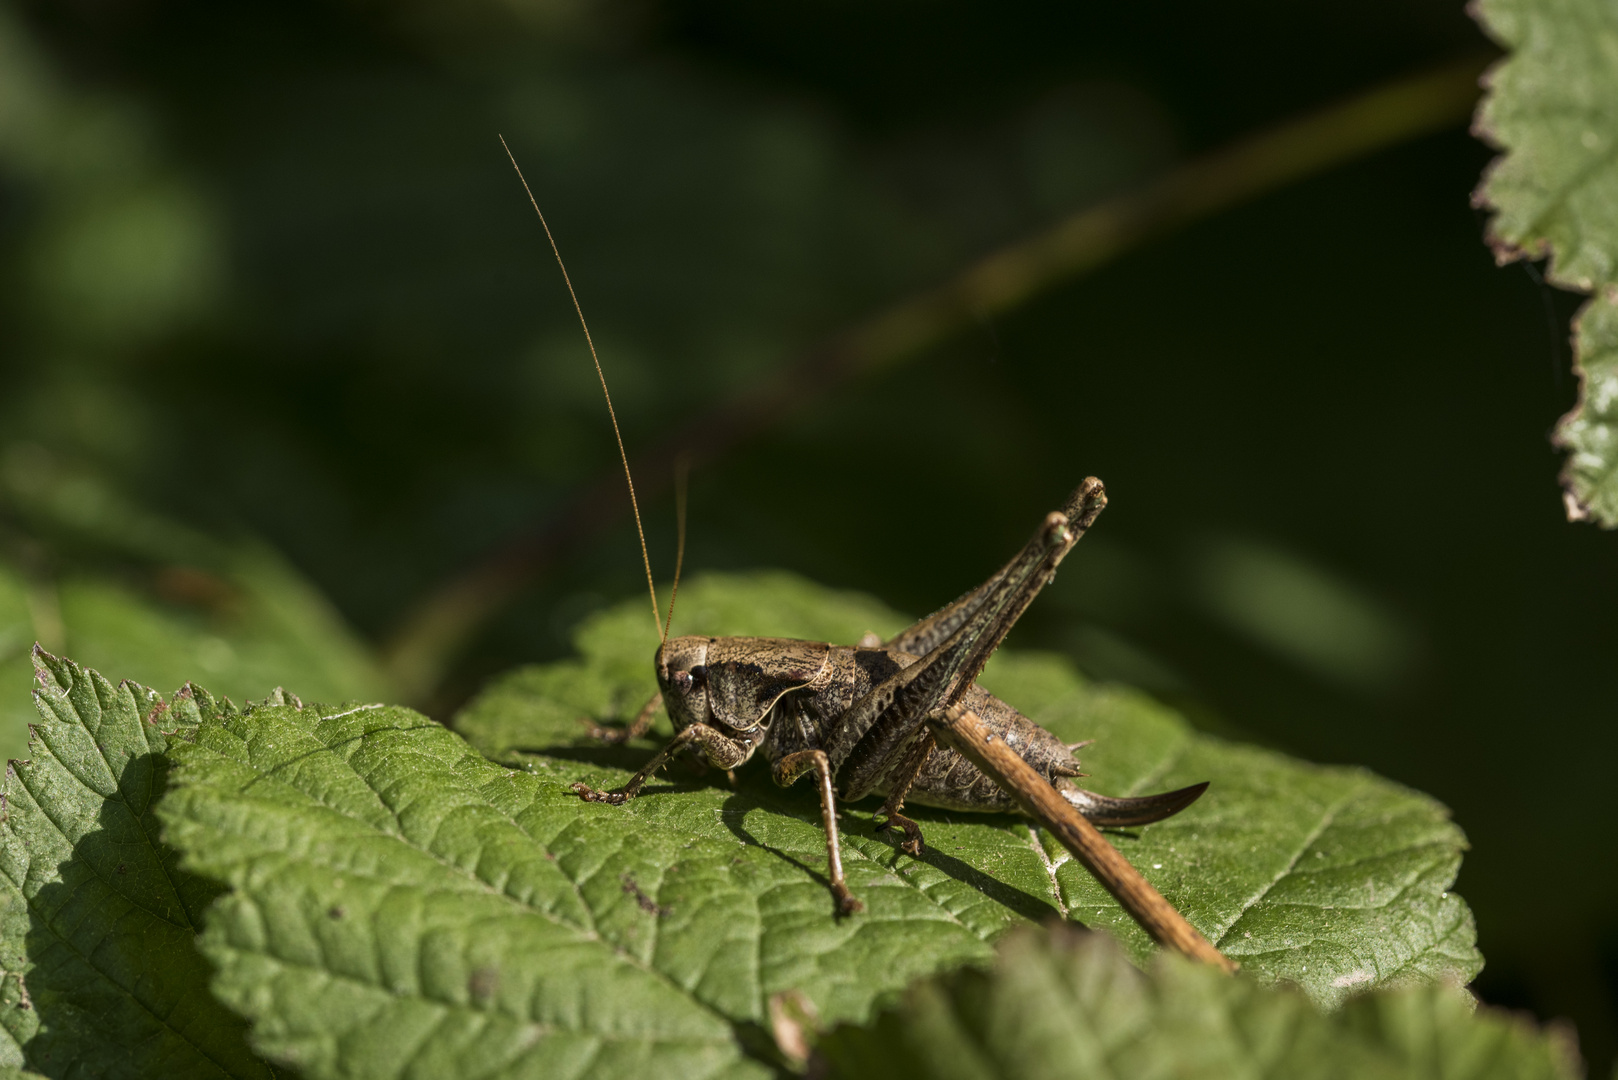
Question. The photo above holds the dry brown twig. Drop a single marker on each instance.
(963, 731)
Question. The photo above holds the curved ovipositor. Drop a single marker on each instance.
(1109, 812)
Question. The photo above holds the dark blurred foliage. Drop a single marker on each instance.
(273, 299)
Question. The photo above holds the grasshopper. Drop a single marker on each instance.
(865, 719)
(860, 717)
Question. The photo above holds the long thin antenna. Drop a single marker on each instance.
(645, 559)
(682, 476)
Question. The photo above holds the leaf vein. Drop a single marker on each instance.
(45, 812)
(1314, 834)
(588, 933)
(447, 1005)
(1161, 769)
(118, 789)
(129, 992)
(1050, 869)
(1558, 201)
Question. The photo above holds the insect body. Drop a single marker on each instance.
(857, 716)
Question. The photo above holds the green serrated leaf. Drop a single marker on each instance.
(1590, 432)
(1553, 107)
(99, 974)
(1328, 877)
(1068, 1004)
(400, 906)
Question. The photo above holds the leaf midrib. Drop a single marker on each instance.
(140, 819)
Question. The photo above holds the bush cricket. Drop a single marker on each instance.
(902, 718)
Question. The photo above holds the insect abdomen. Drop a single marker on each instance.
(951, 782)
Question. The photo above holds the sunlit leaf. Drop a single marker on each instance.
(401, 906)
(1553, 107)
(1590, 431)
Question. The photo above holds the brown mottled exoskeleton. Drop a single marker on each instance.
(864, 718)
(857, 716)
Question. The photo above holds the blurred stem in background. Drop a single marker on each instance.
(435, 631)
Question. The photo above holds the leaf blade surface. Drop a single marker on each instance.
(400, 906)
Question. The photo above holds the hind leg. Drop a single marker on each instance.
(892, 818)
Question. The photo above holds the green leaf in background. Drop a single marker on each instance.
(18, 632)
(1327, 877)
(100, 975)
(1553, 107)
(159, 602)
(1068, 1004)
(1590, 431)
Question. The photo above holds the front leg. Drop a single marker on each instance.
(720, 751)
(785, 772)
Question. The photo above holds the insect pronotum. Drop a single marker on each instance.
(902, 718)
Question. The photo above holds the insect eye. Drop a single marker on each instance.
(699, 674)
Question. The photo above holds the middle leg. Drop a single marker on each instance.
(785, 772)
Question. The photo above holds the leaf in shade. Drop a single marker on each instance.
(101, 976)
